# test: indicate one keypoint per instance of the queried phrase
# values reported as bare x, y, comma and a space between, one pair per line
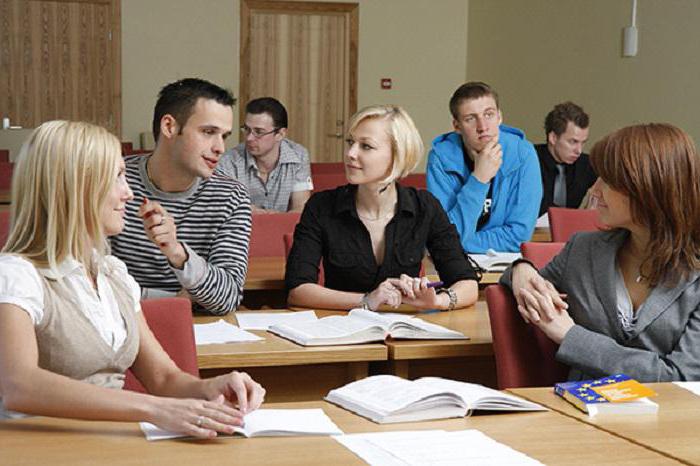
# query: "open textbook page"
362, 326
494, 261
389, 399
267, 423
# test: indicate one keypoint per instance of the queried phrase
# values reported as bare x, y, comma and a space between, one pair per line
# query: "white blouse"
21, 285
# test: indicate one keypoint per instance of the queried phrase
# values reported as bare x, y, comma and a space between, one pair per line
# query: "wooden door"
60, 60
305, 55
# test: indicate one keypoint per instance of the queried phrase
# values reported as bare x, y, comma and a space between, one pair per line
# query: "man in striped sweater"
187, 229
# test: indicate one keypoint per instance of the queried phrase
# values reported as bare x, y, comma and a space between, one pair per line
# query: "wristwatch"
452, 295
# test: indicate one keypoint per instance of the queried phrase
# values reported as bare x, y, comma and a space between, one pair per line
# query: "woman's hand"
415, 292
536, 297
385, 293
236, 389
540, 303
197, 418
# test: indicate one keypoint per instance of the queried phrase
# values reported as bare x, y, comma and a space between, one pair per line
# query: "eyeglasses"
257, 132
488, 115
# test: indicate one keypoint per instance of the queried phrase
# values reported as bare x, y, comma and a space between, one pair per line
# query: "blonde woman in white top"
70, 320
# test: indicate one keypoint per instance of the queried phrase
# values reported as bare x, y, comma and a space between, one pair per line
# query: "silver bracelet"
452, 295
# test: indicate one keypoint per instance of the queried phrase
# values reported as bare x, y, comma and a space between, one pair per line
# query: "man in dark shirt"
566, 172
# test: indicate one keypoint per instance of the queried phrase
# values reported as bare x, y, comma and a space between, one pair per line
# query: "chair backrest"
4, 226
267, 236
565, 222
319, 168
4, 155
5, 175
170, 320
540, 253
324, 181
288, 241
524, 354
416, 180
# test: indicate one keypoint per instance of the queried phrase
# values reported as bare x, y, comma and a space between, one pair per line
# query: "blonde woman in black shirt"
372, 233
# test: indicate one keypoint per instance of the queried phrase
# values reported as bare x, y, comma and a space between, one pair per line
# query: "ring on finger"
200, 421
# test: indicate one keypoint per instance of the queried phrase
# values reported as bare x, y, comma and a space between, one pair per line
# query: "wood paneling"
305, 55
60, 60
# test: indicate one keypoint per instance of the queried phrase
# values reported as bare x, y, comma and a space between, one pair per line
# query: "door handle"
336, 135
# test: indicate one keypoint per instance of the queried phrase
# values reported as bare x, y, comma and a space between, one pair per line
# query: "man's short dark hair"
179, 98
469, 91
561, 115
272, 107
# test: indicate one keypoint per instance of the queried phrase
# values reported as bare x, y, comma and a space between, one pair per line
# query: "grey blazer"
665, 342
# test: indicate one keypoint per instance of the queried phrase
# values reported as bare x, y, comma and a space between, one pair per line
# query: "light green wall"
537, 53
421, 45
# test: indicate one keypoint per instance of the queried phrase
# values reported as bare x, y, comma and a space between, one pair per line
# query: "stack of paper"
221, 332
432, 447
263, 320
690, 386
267, 423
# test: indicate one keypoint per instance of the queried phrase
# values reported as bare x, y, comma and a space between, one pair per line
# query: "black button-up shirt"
579, 177
330, 229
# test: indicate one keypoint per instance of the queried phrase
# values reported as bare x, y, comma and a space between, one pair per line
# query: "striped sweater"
213, 220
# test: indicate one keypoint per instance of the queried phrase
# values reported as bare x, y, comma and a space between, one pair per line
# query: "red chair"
540, 253
5, 175
320, 168
4, 227
565, 222
4, 155
325, 181
266, 237
416, 180
524, 354
170, 320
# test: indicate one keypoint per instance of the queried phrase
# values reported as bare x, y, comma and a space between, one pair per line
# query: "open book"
494, 261
387, 399
361, 326
267, 423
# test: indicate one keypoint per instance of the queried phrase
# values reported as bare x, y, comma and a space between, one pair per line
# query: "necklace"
382, 217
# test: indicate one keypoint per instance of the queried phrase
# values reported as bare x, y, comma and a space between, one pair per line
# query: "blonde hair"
62, 177
406, 143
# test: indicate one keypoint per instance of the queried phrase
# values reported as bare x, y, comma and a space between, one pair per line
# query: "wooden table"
541, 235
674, 431
265, 273
546, 436
469, 360
289, 371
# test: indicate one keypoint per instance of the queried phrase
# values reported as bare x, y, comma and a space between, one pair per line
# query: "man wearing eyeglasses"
275, 169
485, 174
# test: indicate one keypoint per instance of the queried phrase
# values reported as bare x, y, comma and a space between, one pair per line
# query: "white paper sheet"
542, 221
267, 423
438, 448
263, 320
690, 386
221, 332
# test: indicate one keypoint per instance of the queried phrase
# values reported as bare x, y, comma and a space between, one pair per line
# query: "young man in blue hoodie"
485, 174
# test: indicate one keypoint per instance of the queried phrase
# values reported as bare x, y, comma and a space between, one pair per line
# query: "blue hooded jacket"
516, 194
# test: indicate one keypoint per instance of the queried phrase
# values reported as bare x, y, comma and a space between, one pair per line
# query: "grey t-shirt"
292, 174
